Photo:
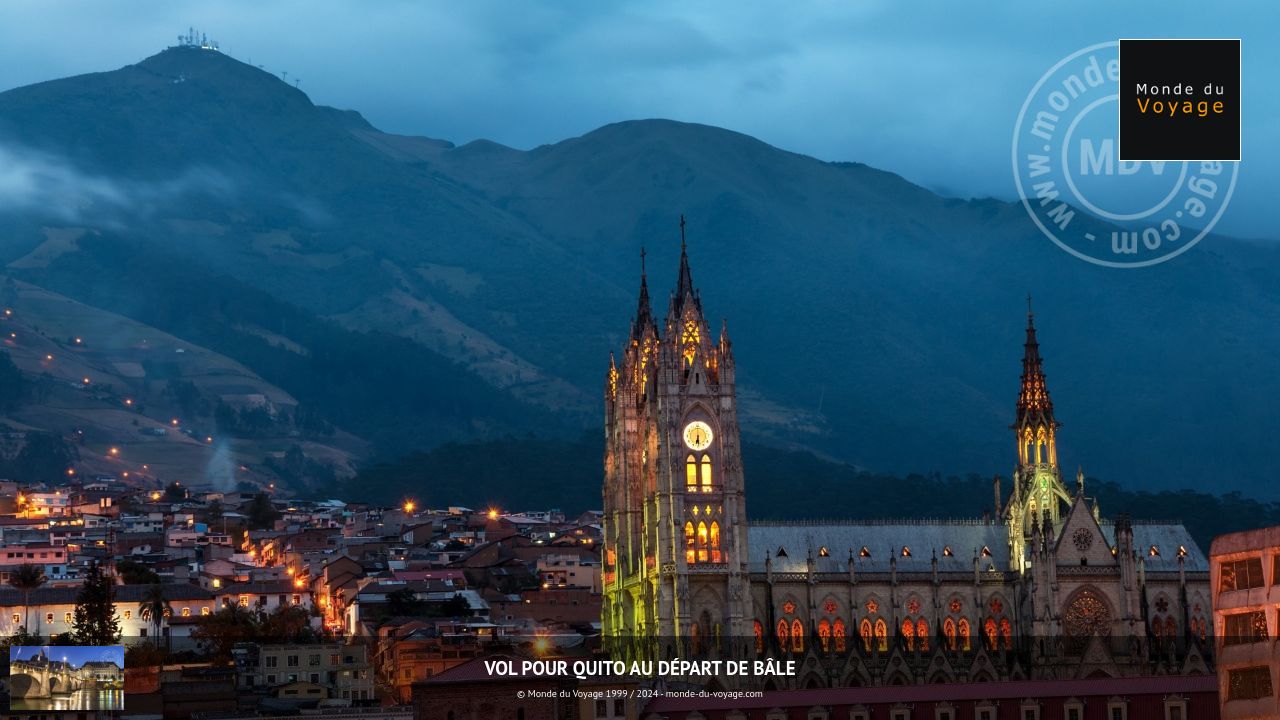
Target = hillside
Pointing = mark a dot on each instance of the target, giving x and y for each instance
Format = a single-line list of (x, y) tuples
[(874, 322)]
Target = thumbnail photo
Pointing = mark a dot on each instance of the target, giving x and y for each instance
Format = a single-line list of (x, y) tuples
[(48, 677)]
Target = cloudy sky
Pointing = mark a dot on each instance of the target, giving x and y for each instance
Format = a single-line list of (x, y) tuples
[(926, 89)]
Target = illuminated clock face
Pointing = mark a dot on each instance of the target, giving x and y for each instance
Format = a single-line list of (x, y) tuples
[(697, 435)]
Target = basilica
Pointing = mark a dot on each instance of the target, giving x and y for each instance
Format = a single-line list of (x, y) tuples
[(1048, 587)]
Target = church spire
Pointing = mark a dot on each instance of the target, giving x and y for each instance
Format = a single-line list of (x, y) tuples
[(644, 311), (1034, 404), (684, 292)]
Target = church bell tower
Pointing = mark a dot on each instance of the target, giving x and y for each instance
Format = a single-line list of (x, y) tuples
[(1039, 496), (675, 575)]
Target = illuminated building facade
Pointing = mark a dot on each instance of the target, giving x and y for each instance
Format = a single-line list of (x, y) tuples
[(1044, 588)]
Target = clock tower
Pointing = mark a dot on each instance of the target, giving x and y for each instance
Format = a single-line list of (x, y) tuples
[(675, 564)]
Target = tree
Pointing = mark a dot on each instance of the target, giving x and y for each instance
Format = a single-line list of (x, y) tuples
[(135, 573), (219, 632), (94, 621), (13, 389), (27, 577), (262, 514), (173, 493), (287, 624), (214, 511), (155, 609)]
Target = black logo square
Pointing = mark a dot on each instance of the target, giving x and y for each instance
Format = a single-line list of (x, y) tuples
[(1179, 99)]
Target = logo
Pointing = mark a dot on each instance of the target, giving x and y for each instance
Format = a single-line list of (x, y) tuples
[(1082, 196)]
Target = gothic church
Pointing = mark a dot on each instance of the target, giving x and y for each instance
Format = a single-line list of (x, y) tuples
[(1047, 588)]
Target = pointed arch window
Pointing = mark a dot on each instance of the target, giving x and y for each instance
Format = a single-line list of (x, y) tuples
[(695, 641), (909, 635), (882, 635), (1006, 633), (837, 632), (922, 635), (949, 632), (797, 636), (864, 631), (1170, 628), (991, 633), (715, 542), (702, 542), (707, 483), (965, 642), (824, 635), (758, 629), (691, 473), (784, 633), (690, 552)]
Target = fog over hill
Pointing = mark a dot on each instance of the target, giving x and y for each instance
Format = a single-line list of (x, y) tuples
[(874, 322)]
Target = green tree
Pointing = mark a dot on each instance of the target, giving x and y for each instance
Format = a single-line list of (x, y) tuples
[(13, 388), (155, 609), (27, 577), (262, 514), (94, 621), (173, 493), (219, 632), (135, 573)]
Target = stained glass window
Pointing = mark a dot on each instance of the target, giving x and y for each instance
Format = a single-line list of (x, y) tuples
[(784, 633), (830, 607), (922, 635), (1006, 632), (882, 635), (759, 632), (702, 542), (991, 633), (837, 629), (691, 474), (706, 473), (824, 635), (864, 631), (797, 636), (689, 539), (715, 542), (964, 635), (1087, 615), (909, 635), (949, 630)]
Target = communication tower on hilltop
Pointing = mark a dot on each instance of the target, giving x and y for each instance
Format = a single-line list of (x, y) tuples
[(193, 39)]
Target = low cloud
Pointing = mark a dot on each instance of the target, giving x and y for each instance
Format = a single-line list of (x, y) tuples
[(39, 183)]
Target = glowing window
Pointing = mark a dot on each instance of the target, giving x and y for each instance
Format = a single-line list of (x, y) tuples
[(691, 473), (715, 542), (706, 473), (702, 542), (186, 612), (864, 552), (882, 635), (864, 631), (922, 635), (1006, 632), (837, 630), (784, 633), (759, 632), (689, 536), (797, 636), (991, 633), (964, 635), (909, 634), (949, 630), (824, 635)]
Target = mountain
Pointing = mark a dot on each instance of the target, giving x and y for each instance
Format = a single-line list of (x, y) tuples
[(875, 322)]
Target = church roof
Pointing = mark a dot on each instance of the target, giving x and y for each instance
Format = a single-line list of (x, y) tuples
[(1166, 538), (882, 540)]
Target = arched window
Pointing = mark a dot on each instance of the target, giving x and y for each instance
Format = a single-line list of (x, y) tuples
[(1006, 632), (1170, 628), (882, 635), (909, 634), (824, 635), (784, 633), (706, 473), (1157, 628), (964, 635), (797, 635), (991, 633), (864, 631), (702, 542), (949, 631), (695, 642), (689, 550), (922, 635), (715, 542), (837, 629), (691, 473), (759, 632)]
